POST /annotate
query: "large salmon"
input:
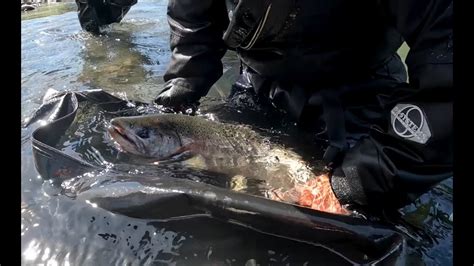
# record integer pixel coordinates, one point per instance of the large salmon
(234, 150)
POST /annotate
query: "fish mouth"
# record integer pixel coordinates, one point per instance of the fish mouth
(127, 142)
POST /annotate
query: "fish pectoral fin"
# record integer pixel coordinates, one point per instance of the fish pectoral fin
(195, 161)
(238, 183)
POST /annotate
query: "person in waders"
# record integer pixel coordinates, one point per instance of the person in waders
(332, 65)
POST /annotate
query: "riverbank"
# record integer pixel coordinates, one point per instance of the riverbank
(49, 10)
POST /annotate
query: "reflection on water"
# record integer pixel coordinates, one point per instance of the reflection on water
(129, 61)
(111, 60)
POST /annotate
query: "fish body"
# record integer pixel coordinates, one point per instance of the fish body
(235, 150)
(224, 148)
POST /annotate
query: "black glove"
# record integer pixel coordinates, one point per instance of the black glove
(347, 190)
(96, 13)
(178, 94)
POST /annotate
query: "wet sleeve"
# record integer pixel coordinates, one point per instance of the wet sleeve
(412, 150)
(196, 29)
(94, 14)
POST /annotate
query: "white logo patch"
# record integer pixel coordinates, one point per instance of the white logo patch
(409, 122)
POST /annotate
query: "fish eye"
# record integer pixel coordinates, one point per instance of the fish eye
(144, 133)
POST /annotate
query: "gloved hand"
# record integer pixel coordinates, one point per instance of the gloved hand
(95, 14)
(178, 94)
(347, 189)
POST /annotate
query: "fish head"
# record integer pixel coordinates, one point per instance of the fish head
(146, 136)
